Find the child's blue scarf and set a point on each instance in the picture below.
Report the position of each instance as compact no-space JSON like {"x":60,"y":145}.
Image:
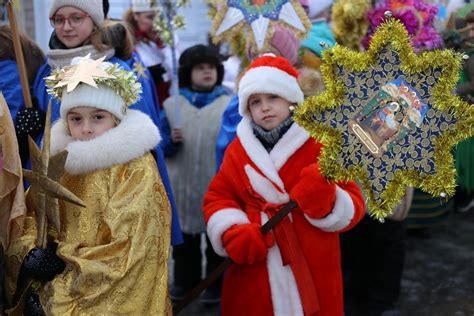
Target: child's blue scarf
{"x":201,"y":99}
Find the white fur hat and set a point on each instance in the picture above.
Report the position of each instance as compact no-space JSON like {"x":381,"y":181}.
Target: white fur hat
{"x":269,"y":74}
{"x":143,"y":6}
{"x":94,"y":8}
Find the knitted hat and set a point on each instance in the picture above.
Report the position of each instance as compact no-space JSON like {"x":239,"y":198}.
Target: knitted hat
{"x":115,"y":88}
{"x":143,"y":5}
{"x":94,"y":8}
{"x":195,"y":55}
{"x":102,"y":97}
{"x":269,"y":74}
{"x":320,"y":32}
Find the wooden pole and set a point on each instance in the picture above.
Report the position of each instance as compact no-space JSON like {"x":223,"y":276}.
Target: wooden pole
{"x":212,"y":277}
{"x":20,"y":60}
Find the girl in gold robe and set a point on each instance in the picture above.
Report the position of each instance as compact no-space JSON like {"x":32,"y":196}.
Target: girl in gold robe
{"x":115,"y":249}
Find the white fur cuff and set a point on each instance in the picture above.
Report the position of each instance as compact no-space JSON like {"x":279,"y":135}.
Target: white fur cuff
{"x":341,"y":214}
{"x":221,"y":221}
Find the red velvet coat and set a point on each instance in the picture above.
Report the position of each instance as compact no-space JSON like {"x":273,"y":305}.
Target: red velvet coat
{"x":249,"y":178}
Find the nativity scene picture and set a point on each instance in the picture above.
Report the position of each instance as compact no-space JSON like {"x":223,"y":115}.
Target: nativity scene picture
{"x":388,"y":117}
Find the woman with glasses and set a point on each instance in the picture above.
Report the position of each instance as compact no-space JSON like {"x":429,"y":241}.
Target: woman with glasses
{"x":80,"y":29}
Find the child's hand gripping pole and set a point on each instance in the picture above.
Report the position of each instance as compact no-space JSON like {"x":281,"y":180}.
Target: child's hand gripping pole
{"x":212,"y":277}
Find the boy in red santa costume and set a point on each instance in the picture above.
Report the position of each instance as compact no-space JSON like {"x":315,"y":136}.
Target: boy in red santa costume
{"x":295,"y":269}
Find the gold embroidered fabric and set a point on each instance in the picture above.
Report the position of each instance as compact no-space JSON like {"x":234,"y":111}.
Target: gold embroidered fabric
{"x":117,"y":248}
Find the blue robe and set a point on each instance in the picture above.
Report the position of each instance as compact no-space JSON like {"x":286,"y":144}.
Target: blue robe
{"x":147,"y":104}
{"x":230,"y":119}
{"x":10,"y":86}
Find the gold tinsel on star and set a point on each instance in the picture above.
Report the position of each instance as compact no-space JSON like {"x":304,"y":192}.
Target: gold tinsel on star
{"x":349,"y":22}
{"x":241,"y":31}
{"x":91,"y":72}
{"x":393,"y":33}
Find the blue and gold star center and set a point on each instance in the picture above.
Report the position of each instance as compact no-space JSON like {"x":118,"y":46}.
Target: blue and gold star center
{"x":388,"y":118}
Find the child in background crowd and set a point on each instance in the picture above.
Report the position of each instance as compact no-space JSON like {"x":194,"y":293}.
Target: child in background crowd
{"x":191,"y":138}
{"x":154,"y":53}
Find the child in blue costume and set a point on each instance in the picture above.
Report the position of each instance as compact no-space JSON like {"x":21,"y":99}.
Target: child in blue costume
{"x":78,"y":31}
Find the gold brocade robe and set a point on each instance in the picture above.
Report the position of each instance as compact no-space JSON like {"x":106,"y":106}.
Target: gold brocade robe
{"x":116,"y":249}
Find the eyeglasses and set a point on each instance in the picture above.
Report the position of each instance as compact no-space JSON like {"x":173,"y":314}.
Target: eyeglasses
{"x":74,"y":20}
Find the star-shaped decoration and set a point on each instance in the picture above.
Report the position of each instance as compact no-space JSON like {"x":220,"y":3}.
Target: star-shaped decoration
{"x":259,"y":16}
{"x":389,"y":118}
{"x":45,"y":187}
{"x":85,"y":71}
{"x":139,"y":69}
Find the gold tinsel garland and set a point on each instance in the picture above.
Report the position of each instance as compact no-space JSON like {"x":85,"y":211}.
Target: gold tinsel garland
{"x":124,"y":83}
{"x":349,"y":22}
{"x":393,"y":33}
{"x":239,"y":33}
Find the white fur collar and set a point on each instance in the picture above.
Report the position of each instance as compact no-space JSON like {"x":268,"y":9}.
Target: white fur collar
{"x":270,"y":163}
{"x":132,"y":138}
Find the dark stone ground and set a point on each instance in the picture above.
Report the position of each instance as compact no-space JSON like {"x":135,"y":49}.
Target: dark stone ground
{"x":439,"y":270}
{"x":438,"y":279}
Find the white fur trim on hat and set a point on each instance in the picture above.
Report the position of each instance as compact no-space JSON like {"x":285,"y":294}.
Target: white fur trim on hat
{"x":94,"y":8}
{"x":142,"y":6}
{"x":268,"y":80}
{"x":101,"y":97}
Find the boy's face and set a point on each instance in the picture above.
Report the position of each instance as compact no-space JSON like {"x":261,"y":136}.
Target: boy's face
{"x":203,"y":77}
{"x":86,"y":123}
{"x":268,"y":110}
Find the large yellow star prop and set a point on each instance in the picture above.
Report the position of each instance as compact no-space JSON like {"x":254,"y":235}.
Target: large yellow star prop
{"x":85,"y":71}
{"x":355,"y":116}
{"x":45,"y":189}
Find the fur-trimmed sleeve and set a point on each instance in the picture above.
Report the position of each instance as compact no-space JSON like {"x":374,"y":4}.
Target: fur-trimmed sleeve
{"x":222,"y":207}
{"x":348,"y":209}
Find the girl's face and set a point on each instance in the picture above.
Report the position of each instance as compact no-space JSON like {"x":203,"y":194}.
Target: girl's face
{"x":268,"y":110}
{"x":144,"y":21}
{"x":86,"y":123}
{"x":73,"y":26}
{"x":203,"y":77}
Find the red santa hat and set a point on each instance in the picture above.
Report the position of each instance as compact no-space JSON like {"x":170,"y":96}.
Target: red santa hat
{"x":269,"y":74}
